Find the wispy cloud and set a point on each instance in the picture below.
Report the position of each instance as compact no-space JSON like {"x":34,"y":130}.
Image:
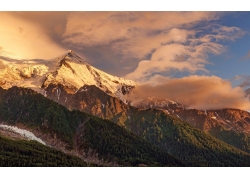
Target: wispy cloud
{"x":142,"y":39}
{"x":245,"y":81}
{"x":133,"y":34}
{"x":246,"y":57}
{"x":190,"y":54}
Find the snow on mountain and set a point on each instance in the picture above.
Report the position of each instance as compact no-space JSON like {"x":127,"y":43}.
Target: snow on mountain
{"x":21,"y":73}
{"x":73,"y":72}
{"x":68,"y":69}
{"x":24,"y":133}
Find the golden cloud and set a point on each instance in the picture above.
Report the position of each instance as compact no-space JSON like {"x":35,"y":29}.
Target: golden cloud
{"x":24,"y":39}
{"x":198,"y":92}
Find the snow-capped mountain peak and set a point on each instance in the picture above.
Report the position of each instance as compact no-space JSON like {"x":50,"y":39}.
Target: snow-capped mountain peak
{"x":73,"y":72}
{"x":68,"y":69}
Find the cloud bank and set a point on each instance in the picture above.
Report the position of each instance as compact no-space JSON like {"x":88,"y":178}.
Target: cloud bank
{"x":198,"y":92}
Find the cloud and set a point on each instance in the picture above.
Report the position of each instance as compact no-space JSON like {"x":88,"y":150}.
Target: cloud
{"x":245,"y":81}
{"x":169,"y":57}
{"x":149,"y":43}
{"x":21,"y":38}
{"x":186,"y":51}
{"x":133,"y":34}
{"x":237,"y":77}
{"x":246,"y":57}
{"x":227,"y":33}
{"x":198,"y":92}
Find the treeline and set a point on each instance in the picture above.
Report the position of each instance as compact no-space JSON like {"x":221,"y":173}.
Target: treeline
{"x":22,"y":153}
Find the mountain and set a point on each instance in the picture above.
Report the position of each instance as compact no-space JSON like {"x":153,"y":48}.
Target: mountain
{"x":231,"y":119}
{"x":92,"y":139}
{"x":22,"y":153}
{"x":68,"y":69}
{"x":161,"y":133}
{"x":229,"y":125}
{"x":153,"y":139}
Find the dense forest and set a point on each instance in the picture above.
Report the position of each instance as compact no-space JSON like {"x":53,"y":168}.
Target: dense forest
{"x":113,"y":142}
{"x":22,"y":153}
{"x":110,"y":141}
{"x":175,"y":136}
{"x":192,"y":146}
{"x":150,"y":138}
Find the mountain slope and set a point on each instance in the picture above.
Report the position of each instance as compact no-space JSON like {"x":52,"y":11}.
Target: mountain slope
{"x":154,"y":125}
{"x":22,"y":153}
{"x":229,"y":125}
{"x":73,"y":83}
{"x":73,"y":131}
{"x":82,"y":134}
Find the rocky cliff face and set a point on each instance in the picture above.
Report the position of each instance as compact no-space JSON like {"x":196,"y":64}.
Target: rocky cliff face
{"x":91,"y":100}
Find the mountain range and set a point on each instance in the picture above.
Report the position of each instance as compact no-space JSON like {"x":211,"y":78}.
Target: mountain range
{"x":79,"y":110}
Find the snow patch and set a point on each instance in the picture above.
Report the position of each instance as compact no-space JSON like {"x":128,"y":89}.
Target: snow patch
{"x":84,"y":89}
{"x":24,"y":133}
{"x":58,"y":91}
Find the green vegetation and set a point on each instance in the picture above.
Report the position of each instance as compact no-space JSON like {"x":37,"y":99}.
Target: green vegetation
{"x":190,"y":145}
{"x":21,"y":153}
{"x":149,"y":136}
{"x":20,"y":105}
{"x":236,"y":139}
{"x":113,"y":142}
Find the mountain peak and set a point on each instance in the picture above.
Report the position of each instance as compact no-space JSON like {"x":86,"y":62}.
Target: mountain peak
{"x":73,"y":72}
{"x":68,"y":69}
{"x":73,"y":57}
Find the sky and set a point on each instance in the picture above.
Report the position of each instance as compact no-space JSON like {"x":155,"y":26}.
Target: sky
{"x":156,"y":48}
